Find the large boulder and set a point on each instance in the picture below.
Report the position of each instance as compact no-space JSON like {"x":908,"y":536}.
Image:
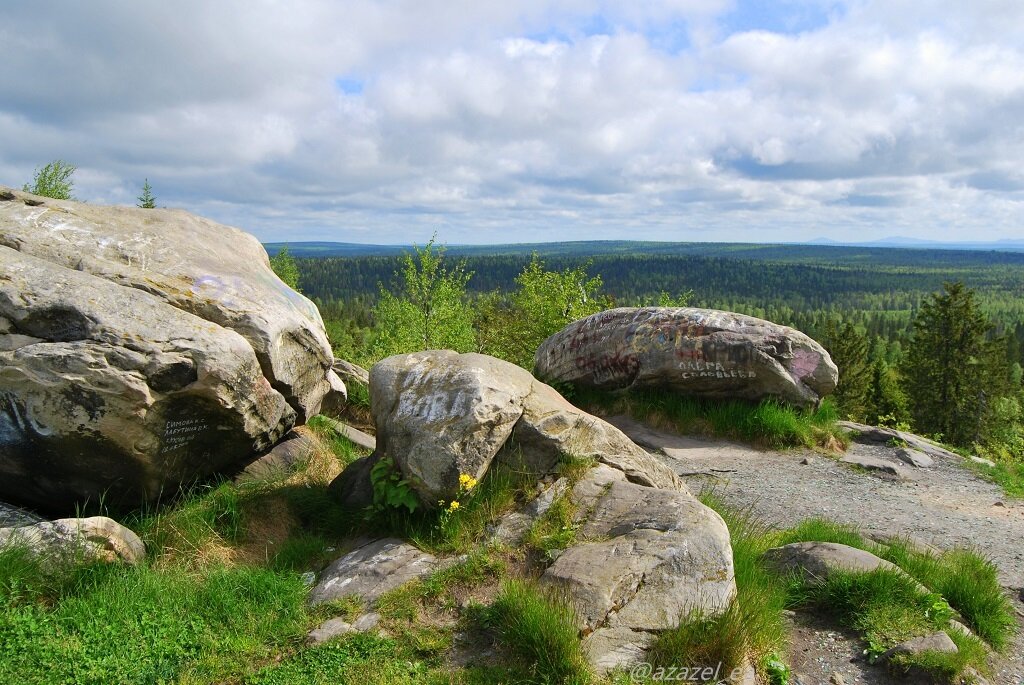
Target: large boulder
{"x":142,"y":349}
{"x":700,"y":352}
{"x":645,"y":558}
{"x":440,"y":414}
{"x":112,"y":393}
{"x":216,"y":272}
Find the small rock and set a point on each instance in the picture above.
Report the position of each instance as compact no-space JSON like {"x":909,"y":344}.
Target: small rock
{"x":983,"y":461}
{"x":914,"y":457}
{"x":366,"y":622}
{"x":95,"y":537}
{"x":875,"y":464}
{"x":936,"y":642}
{"x":837,"y":679}
{"x":999,"y":503}
{"x":328,"y":630}
{"x":371,"y":570}
{"x":807,"y":461}
{"x":308,"y":578}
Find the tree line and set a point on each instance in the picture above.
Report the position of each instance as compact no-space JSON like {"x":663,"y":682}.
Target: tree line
{"x":936,"y":362}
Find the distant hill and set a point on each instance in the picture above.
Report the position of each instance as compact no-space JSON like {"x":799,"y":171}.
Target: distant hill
{"x":582,"y":248}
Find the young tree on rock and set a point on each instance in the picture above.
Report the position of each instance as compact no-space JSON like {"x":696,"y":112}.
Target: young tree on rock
{"x":285,"y":267}
{"x":146,"y":200}
{"x":429,"y":312}
{"x":53,"y":180}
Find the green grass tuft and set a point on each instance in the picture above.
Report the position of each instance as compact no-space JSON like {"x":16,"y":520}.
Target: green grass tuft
{"x":540,"y":628}
{"x":768,"y":423}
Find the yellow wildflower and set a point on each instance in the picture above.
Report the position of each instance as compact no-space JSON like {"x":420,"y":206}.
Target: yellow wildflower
{"x":454,"y":505}
{"x":467,"y":482}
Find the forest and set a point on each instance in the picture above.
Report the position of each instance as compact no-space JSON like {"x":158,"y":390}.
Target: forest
{"x":878,"y":290}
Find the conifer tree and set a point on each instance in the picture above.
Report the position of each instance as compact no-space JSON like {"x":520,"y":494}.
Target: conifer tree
{"x":954,"y":368}
{"x":146,"y":200}
{"x":849,"y":351}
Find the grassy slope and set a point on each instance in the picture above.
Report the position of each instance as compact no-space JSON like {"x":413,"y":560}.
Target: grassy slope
{"x":221,"y":597}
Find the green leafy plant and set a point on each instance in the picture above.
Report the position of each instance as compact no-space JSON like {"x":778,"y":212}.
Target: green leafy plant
{"x":390,"y":490}
{"x":286,"y":268}
{"x":53,"y":180}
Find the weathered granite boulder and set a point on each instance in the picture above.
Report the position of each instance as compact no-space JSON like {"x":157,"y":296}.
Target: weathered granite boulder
{"x":119,"y":395}
{"x":77,"y":539}
{"x":700,"y":352}
{"x":643,"y":560}
{"x":440,"y":414}
{"x":216,"y":272}
{"x":142,"y":349}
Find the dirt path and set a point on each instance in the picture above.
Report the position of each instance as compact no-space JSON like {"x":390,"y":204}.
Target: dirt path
{"x":946,"y":505}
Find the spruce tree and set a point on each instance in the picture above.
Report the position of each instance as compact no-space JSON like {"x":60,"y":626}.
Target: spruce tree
{"x":849,"y":351}
{"x":146,"y":200}
{"x":953,"y":368}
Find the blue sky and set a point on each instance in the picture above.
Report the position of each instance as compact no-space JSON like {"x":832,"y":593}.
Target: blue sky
{"x":384,"y":122}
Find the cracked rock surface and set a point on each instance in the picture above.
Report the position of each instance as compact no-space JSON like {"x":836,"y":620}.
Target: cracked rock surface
{"x":644,"y":558}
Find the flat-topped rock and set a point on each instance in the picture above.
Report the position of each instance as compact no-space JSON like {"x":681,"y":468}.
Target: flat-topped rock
{"x":371,"y":570}
{"x":702,"y":352}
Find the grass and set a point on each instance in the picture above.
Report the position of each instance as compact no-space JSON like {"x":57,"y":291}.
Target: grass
{"x":114,"y":623}
{"x":539,"y":626}
{"x":768,"y":423}
{"x":755,"y":623}
{"x":1007,"y":474}
{"x":220,"y":597}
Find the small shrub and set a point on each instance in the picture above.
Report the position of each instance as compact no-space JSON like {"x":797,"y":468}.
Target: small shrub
{"x":698,"y":641}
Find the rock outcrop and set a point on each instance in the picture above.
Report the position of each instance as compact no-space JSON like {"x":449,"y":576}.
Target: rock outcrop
{"x":440,"y":414}
{"x":141,"y":349}
{"x":700,"y":352}
{"x":218,"y":273}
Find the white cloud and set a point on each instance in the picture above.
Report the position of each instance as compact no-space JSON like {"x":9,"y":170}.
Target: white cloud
{"x":494,"y":122}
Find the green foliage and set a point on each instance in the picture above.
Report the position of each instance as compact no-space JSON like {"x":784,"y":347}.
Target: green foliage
{"x":53,"y":180}
{"x":541,"y":305}
{"x":390,"y":490}
{"x":953,"y":368}
{"x":715,"y":643}
{"x":555,"y":529}
{"x":285,"y":267}
{"x":849,"y":350}
{"x":968,"y":581}
{"x":539,"y":626}
{"x":429,"y":312}
{"x":147,"y":200}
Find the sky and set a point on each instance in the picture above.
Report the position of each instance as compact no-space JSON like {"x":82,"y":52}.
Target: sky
{"x":495,"y":122}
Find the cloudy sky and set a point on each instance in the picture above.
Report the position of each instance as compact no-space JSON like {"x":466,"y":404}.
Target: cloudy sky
{"x":382,"y":122}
